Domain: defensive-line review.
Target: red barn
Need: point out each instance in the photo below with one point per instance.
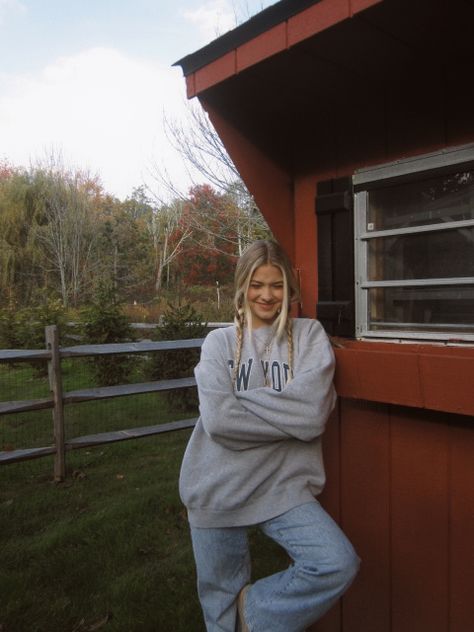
(352, 123)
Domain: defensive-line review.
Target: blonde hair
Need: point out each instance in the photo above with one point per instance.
(260, 253)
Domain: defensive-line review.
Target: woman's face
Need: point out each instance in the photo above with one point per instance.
(265, 295)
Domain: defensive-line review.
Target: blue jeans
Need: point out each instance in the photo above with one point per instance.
(324, 564)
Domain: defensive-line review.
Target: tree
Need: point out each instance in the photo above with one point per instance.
(169, 234)
(125, 252)
(19, 272)
(209, 256)
(65, 227)
(105, 323)
(205, 156)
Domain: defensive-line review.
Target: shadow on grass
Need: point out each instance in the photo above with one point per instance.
(109, 549)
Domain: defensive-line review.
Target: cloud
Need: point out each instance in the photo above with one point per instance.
(7, 7)
(100, 107)
(212, 19)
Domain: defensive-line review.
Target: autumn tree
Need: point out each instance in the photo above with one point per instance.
(206, 159)
(169, 234)
(64, 227)
(209, 255)
(124, 257)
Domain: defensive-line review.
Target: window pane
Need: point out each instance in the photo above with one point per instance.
(437, 308)
(442, 254)
(445, 198)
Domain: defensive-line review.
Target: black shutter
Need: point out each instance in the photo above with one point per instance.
(335, 216)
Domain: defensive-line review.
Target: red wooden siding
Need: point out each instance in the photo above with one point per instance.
(422, 376)
(269, 43)
(270, 185)
(398, 486)
(298, 28)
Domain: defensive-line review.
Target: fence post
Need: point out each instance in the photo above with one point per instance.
(56, 388)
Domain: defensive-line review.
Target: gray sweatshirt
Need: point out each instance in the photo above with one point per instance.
(256, 450)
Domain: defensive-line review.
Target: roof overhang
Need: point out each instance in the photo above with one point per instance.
(283, 78)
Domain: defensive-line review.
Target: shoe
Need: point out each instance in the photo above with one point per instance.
(240, 608)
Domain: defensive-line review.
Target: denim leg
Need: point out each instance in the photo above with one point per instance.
(324, 565)
(223, 568)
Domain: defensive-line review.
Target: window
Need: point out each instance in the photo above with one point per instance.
(414, 247)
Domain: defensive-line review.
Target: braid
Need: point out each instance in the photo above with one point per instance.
(289, 334)
(239, 331)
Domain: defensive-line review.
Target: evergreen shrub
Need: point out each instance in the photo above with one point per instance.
(105, 323)
(25, 328)
(178, 323)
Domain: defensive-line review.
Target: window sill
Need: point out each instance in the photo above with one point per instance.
(432, 376)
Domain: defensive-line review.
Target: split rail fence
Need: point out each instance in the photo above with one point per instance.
(53, 354)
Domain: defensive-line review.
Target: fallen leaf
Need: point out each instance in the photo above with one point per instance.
(79, 475)
(98, 624)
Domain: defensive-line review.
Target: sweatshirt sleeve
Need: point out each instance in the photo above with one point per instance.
(302, 408)
(223, 417)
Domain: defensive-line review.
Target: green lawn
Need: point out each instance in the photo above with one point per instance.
(108, 549)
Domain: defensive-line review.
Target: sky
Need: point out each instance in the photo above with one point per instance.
(90, 81)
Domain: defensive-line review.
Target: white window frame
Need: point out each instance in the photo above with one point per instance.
(363, 181)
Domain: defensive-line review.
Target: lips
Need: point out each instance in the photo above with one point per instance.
(266, 306)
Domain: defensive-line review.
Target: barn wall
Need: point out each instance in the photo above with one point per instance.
(417, 116)
(400, 479)
(401, 484)
(400, 474)
(399, 448)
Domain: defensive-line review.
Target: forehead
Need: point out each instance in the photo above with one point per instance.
(267, 273)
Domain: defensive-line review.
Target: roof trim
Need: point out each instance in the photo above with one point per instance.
(258, 24)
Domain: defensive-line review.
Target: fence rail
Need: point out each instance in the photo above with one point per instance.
(53, 355)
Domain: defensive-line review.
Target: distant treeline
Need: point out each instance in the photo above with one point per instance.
(62, 236)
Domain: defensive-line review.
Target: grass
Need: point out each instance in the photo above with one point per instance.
(109, 548)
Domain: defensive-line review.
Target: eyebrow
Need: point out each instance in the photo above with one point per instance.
(262, 282)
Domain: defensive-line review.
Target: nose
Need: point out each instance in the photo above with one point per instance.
(266, 293)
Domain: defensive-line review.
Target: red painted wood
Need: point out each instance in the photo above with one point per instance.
(365, 512)
(360, 5)
(330, 500)
(330, 497)
(401, 483)
(448, 383)
(315, 19)
(461, 527)
(437, 378)
(215, 72)
(420, 521)
(346, 379)
(331, 621)
(190, 86)
(269, 183)
(388, 377)
(261, 47)
(366, 134)
(415, 114)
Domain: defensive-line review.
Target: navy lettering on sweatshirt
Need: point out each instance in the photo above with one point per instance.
(279, 373)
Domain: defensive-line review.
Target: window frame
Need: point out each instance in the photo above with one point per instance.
(402, 171)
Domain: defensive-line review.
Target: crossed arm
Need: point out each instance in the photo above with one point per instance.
(261, 415)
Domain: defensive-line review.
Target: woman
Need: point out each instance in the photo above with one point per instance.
(254, 458)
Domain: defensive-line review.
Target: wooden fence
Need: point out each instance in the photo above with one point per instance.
(53, 354)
